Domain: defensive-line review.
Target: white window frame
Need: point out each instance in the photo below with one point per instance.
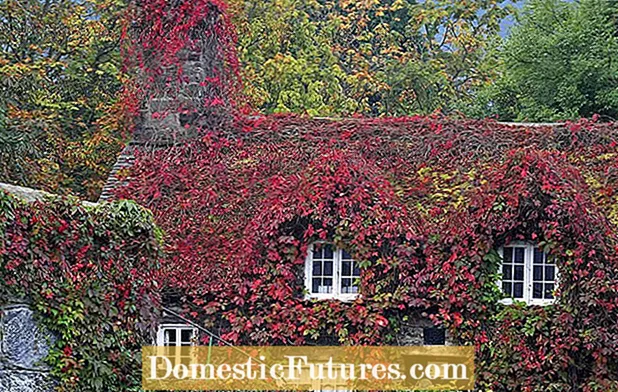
(337, 263)
(528, 275)
(178, 328)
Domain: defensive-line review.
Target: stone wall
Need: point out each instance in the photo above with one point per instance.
(23, 348)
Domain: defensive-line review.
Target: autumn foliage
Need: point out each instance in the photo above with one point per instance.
(422, 202)
(61, 122)
(89, 272)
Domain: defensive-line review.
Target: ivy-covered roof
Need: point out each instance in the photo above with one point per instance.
(422, 203)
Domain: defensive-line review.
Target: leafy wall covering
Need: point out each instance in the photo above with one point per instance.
(422, 203)
(90, 273)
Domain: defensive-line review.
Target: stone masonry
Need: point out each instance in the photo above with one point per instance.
(23, 348)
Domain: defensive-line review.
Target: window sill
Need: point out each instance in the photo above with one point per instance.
(536, 302)
(327, 297)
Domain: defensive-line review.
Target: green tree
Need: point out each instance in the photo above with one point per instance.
(375, 57)
(412, 57)
(59, 81)
(287, 60)
(560, 62)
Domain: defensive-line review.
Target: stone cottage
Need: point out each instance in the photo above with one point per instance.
(288, 230)
(291, 230)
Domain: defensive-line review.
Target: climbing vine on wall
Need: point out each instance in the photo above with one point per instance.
(90, 274)
(183, 58)
(422, 203)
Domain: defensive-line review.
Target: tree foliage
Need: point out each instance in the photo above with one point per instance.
(60, 119)
(379, 57)
(559, 62)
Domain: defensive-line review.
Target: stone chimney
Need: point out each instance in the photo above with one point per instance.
(186, 89)
(182, 54)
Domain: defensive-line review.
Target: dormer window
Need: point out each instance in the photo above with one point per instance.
(527, 274)
(331, 273)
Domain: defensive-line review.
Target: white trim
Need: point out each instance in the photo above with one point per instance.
(177, 351)
(178, 327)
(337, 264)
(528, 275)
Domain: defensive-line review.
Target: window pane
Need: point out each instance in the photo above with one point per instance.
(346, 269)
(550, 273)
(328, 285)
(328, 268)
(356, 270)
(507, 272)
(507, 288)
(519, 272)
(315, 285)
(317, 252)
(317, 267)
(434, 336)
(549, 289)
(537, 290)
(518, 290)
(346, 284)
(328, 251)
(346, 255)
(539, 256)
(508, 255)
(538, 273)
(170, 337)
(519, 255)
(186, 335)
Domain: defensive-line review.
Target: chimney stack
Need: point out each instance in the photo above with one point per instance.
(180, 51)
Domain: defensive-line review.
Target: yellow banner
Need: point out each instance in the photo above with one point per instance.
(308, 368)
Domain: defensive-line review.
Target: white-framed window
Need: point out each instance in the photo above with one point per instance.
(527, 274)
(178, 338)
(331, 272)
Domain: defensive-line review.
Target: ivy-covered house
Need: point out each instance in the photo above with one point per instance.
(291, 230)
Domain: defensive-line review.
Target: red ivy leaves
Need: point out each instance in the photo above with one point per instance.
(90, 273)
(239, 214)
(420, 201)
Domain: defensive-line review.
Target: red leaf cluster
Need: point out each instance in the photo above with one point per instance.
(421, 202)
